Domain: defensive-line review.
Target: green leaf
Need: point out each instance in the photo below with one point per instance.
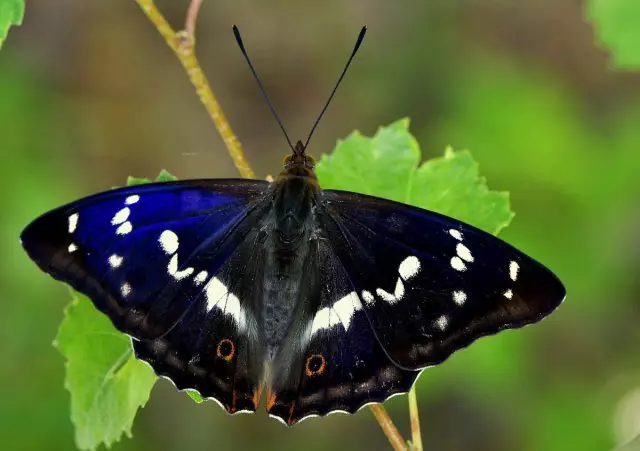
(193, 394)
(132, 181)
(386, 165)
(617, 26)
(165, 176)
(11, 13)
(106, 382)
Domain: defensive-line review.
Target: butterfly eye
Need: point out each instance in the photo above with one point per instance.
(311, 161)
(226, 349)
(287, 160)
(315, 365)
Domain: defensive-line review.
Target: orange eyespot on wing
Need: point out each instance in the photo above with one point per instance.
(226, 349)
(315, 365)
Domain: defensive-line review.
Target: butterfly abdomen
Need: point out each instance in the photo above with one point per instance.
(286, 255)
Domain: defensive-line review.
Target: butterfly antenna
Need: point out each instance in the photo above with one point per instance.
(335, 88)
(236, 33)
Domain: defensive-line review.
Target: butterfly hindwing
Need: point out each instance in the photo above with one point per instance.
(217, 347)
(333, 362)
(429, 284)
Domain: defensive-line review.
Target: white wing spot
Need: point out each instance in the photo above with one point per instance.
(513, 270)
(132, 199)
(115, 260)
(508, 294)
(346, 307)
(399, 292)
(368, 297)
(121, 216)
(169, 242)
(458, 264)
(322, 320)
(442, 322)
(456, 234)
(409, 267)
(124, 228)
(233, 308)
(391, 299)
(125, 289)
(72, 248)
(73, 222)
(464, 252)
(200, 277)
(172, 269)
(459, 297)
(218, 296)
(215, 290)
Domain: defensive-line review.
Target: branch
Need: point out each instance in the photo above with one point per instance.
(416, 436)
(389, 429)
(183, 45)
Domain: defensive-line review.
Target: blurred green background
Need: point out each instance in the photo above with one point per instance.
(89, 94)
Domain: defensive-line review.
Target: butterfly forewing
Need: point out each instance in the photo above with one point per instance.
(430, 284)
(139, 252)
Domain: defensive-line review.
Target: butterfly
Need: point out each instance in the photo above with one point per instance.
(329, 300)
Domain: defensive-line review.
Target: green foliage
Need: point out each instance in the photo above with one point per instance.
(11, 13)
(617, 25)
(195, 396)
(107, 383)
(387, 165)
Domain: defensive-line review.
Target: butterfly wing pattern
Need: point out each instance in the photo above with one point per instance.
(399, 289)
(335, 363)
(331, 299)
(147, 256)
(430, 284)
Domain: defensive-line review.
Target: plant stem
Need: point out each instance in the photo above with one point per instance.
(416, 436)
(183, 46)
(389, 429)
(192, 17)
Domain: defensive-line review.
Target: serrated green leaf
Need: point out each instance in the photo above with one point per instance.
(387, 166)
(107, 384)
(617, 26)
(165, 176)
(380, 166)
(132, 181)
(11, 13)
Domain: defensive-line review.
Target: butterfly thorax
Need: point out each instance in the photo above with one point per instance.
(290, 231)
(298, 163)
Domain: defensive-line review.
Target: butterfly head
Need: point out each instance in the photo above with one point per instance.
(298, 162)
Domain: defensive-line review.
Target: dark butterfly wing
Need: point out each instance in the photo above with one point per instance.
(217, 346)
(430, 284)
(167, 263)
(332, 360)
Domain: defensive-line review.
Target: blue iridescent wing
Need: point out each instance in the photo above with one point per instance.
(158, 259)
(430, 284)
(332, 361)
